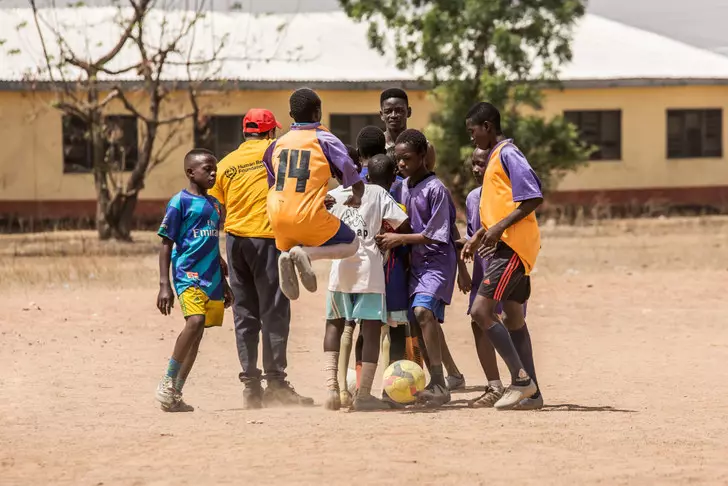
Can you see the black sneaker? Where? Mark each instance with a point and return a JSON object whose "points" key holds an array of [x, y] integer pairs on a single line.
{"points": [[434, 396], [253, 395], [281, 393]]}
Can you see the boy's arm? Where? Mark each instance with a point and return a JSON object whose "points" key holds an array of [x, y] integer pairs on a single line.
{"points": [[165, 298], [494, 233], [338, 156], [268, 163]]}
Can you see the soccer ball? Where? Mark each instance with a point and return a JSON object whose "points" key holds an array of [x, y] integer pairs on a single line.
{"points": [[402, 379]]}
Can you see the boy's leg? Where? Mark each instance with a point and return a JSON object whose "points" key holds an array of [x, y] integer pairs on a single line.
{"points": [[357, 356], [397, 342], [167, 394], [486, 356], [455, 380], [516, 324], [371, 332], [332, 343], [424, 308], [347, 341], [246, 317], [384, 345], [342, 245]]}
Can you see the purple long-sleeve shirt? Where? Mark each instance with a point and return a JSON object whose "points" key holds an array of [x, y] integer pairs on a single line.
{"points": [[334, 150], [432, 213]]}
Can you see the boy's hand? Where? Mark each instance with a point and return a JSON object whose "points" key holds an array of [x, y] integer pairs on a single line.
{"points": [[227, 293], [353, 201], [165, 299], [470, 247], [388, 241], [493, 236], [465, 282], [329, 201], [224, 267]]}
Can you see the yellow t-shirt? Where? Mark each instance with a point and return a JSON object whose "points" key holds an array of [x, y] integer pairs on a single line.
{"points": [[242, 187]]}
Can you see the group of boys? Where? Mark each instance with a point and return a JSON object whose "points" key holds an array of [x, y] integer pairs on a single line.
{"points": [[391, 234]]}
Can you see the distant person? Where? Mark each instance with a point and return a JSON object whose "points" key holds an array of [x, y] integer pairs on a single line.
{"points": [[394, 109], [260, 306], [510, 237], [189, 234], [300, 164]]}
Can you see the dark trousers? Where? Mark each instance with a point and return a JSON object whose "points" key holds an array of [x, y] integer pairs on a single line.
{"points": [[259, 306]]}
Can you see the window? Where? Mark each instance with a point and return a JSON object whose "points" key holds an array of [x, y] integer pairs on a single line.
{"points": [[220, 134], [603, 129], [121, 143], [694, 133], [347, 127]]}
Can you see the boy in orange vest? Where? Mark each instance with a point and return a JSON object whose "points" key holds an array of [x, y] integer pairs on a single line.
{"points": [[510, 238]]}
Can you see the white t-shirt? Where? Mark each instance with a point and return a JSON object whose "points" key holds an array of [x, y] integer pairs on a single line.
{"points": [[364, 272]]}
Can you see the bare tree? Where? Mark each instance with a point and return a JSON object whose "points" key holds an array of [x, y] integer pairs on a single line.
{"points": [[163, 42]]}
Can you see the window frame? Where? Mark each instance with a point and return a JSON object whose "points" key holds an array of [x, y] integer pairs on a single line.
{"points": [[88, 168], [600, 130], [685, 136], [353, 133]]}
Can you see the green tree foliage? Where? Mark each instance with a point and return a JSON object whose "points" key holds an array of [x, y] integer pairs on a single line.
{"points": [[502, 51]]}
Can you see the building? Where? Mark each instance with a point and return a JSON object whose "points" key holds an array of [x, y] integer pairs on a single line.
{"points": [[655, 107]]}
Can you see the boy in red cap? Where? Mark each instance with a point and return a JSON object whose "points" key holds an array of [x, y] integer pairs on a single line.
{"points": [[260, 305]]}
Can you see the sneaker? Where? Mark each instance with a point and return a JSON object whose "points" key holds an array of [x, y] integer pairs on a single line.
{"points": [[178, 406], [166, 395], [303, 264], [434, 396], [346, 398], [488, 399], [514, 394], [281, 393], [455, 382], [333, 400], [369, 403], [287, 276], [253, 395], [530, 403]]}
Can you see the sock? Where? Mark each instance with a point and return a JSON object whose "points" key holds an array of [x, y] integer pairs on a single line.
{"points": [[384, 347], [332, 252], [522, 342], [416, 353], [368, 370], [437, 376], [173, 368], [497, 384], [331, 366], [358, 374], [346, 343], [501, 339], [179, 383]]}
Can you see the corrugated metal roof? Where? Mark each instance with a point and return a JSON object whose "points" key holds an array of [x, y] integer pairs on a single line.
{"points": [[326, 47]]}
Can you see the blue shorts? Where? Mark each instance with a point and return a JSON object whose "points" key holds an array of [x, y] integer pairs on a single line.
{"points": [[343, 235], [437, 306], [340, 305]]}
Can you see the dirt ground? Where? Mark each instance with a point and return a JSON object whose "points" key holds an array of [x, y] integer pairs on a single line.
{"points": [[630, 327]]}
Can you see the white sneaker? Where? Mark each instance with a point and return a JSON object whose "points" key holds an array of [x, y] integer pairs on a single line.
{"points": [[489, 398], [166, 395], [530, 403], [514, 394], [287, 276], [305, 270]]}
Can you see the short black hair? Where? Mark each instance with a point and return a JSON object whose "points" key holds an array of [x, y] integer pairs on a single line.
{"points": [[197, 154], [415, 139], [304, 103], [393, 93], [485, 112], [381, 168], [254, 134], [371, 141]]}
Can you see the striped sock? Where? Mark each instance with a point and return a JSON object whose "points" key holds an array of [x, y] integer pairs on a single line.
{"points": [[173, 368]]}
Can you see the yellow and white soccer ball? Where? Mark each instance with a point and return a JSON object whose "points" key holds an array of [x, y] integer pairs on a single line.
{"points": [[402, 379]]}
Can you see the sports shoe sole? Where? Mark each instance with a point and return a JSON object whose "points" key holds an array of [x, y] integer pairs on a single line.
{"points": [[287, 276], [303, 264], [514, 394], [530, 404]]}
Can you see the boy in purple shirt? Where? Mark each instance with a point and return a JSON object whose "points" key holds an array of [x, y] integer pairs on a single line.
{"points": [[434, 260]]}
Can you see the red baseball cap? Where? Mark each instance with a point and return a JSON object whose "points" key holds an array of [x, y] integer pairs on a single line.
{"points": [[264, 121]]}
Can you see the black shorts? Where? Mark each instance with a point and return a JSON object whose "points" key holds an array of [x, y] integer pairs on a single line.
{"points": [[505, 278]]}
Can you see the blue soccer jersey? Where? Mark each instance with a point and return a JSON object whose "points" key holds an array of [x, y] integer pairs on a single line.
{"points": [[192, 223]]}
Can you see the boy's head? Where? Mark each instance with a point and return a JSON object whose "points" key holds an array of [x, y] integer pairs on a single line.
{"points": [[394, 109], [371, 142], [201, 167], [483, 124], [382, 171], [479, 159], [305, 106], [354, 154], [260, 123], [410, 151]]}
